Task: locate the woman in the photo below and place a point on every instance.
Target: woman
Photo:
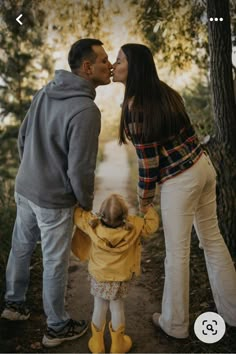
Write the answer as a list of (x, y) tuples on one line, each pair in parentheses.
[(169, 153)]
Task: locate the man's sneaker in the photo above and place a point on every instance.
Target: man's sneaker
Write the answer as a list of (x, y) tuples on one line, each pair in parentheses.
[(72, 330), (15, 311)]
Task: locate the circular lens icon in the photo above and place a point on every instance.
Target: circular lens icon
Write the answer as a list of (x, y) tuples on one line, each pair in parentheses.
[(209, 327)]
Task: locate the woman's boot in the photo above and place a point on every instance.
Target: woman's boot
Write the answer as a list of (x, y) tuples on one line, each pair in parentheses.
[(120, 343), (96, 342)]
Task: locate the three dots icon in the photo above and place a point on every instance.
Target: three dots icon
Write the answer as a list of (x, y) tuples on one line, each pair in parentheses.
[(216, 19)]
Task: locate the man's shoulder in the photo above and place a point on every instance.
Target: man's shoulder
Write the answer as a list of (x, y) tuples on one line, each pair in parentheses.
[(88, 107)]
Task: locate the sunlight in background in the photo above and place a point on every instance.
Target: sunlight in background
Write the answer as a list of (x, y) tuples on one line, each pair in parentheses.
[(234, 56), (119, 31)]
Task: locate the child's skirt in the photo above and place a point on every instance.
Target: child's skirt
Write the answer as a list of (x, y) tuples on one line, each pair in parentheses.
[(109, 290)]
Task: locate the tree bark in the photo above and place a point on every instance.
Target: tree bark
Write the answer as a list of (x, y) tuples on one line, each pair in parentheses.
[(225, 166), (222, 147), (220, 48)]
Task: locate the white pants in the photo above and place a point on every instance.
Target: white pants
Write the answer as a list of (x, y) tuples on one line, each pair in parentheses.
[(187, 199)]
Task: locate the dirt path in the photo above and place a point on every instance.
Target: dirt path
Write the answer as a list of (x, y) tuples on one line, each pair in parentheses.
[(113, 174)]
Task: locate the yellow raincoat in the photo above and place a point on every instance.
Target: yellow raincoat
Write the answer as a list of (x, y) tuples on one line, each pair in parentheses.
[(115, 254)]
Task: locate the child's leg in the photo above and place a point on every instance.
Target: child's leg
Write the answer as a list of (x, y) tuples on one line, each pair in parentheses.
[(117, 313), (120, 343), (99, 312)]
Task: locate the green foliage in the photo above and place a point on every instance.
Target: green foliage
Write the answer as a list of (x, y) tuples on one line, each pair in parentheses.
[(69, 20), (24, 60), (9, 159), (177, 31), (198, 105)]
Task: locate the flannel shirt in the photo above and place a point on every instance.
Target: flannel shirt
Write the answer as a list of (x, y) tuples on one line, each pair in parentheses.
[(159, 162)]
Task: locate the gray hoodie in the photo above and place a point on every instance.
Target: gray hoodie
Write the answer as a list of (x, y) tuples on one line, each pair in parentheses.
[(58, 144)]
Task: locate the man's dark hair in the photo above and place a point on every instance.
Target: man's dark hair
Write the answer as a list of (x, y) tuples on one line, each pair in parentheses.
[(80, 50)]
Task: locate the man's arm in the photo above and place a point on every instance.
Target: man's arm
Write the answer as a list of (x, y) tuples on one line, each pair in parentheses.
[(83, 133), (21, 136), (23, 128)]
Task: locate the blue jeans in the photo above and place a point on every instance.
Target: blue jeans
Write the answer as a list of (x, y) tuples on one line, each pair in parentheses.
[(55, 228)]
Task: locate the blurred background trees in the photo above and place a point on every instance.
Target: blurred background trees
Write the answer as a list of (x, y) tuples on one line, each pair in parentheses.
[(25, 63), (25, 59)]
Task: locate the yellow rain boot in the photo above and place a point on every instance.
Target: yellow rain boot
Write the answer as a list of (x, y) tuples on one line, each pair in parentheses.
[(120, 343), (96, 342)]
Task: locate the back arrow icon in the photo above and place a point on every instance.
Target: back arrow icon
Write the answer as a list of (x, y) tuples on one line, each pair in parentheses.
[(18, 19)]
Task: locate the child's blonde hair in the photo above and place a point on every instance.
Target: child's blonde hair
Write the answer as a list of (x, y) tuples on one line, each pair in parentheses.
[(113, 213)]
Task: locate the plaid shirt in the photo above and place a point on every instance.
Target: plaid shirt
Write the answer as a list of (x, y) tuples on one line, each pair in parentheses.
[(160, 162)]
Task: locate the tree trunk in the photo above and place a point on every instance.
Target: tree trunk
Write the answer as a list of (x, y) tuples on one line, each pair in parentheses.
[(220, 48), (222, 147), (225, 166)]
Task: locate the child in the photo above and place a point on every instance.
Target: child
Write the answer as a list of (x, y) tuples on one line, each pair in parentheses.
[(114, 258)]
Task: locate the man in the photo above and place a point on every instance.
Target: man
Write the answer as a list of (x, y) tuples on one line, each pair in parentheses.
[(58, 144)]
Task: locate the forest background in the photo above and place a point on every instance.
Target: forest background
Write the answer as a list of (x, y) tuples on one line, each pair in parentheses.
[(194, 55)]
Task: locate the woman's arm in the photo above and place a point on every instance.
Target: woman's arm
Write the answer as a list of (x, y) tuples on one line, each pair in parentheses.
[(148, 162)]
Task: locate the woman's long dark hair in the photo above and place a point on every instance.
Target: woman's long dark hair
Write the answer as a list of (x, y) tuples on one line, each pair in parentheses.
[(160, 107)]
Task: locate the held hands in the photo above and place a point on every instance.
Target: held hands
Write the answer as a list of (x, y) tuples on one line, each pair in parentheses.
[(144, 209)]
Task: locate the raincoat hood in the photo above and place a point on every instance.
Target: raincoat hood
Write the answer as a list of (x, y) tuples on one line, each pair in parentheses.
[(115, 254), (116, 240)]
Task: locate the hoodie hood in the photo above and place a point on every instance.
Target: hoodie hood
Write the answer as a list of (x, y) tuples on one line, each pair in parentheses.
[(66, 84)]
